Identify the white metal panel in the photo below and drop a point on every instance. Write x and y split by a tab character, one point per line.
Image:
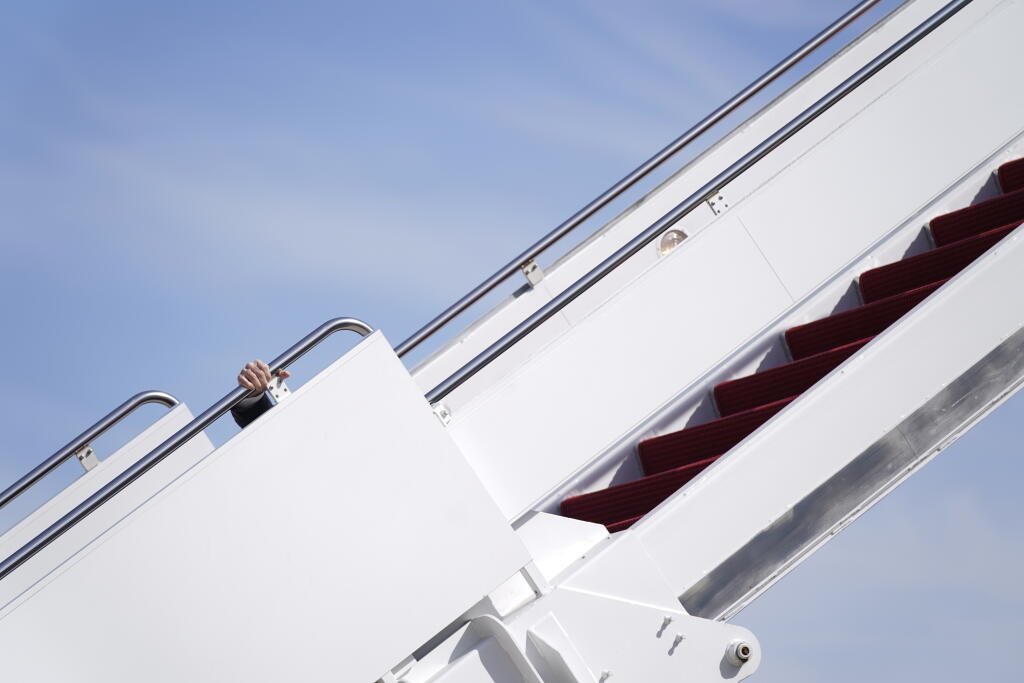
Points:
556	542
853	187
90	482
486	663
838	419
325	542
578	395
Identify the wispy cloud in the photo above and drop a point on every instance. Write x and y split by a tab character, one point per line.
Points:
787	14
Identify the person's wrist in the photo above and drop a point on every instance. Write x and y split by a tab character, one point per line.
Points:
254	396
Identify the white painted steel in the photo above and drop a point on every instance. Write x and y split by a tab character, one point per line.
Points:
556	543
320	542
627	640
83	487
577	394
809	224
566	270
485	663
838	419
611	618
692	405
574	397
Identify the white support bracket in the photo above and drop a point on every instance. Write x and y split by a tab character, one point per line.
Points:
278	390
582	637
87	457
443	414
718	203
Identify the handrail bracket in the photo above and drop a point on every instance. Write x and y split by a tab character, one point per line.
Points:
87	457
718	203
532	272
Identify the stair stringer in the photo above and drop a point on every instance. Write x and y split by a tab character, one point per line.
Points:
845	443
766	348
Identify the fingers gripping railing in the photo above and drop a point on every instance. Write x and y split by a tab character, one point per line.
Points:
82	441
636	175
144	464
693	201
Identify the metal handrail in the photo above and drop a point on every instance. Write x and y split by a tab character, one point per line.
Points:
83	440
632	178
144	464
693	201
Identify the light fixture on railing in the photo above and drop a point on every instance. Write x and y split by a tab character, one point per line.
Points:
670	240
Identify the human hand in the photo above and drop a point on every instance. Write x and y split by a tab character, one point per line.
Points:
256	377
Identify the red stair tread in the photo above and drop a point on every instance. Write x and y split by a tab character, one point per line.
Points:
623	525
855	324
632	499
1011	176
663	453
931	266
777	383
974	220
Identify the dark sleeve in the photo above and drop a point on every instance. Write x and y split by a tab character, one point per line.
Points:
251	408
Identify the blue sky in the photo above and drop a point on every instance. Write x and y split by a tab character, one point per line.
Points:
187	185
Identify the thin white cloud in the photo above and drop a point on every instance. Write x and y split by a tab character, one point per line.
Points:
703	60
787	14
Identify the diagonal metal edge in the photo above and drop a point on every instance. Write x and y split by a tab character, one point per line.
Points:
850	492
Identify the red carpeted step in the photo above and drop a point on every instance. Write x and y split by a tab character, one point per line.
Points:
858	323
689	445
1011	176
931	266
775	384
633	499
974	220
623	525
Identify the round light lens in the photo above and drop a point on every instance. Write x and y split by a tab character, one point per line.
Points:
671	239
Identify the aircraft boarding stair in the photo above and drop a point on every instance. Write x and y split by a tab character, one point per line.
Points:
588	482
887	294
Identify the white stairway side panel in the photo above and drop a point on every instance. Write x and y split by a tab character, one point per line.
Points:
608	372
326	542
887	162
106	517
